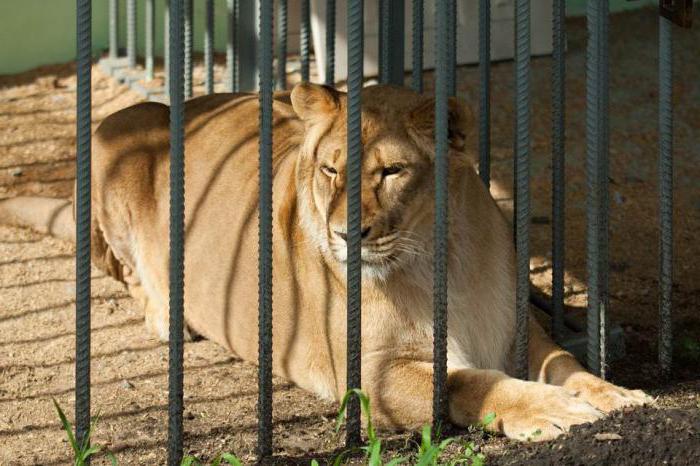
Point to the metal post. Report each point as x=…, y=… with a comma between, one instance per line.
x=82, y=230
x=131, y=33
x=305, y=39
x=177, y=228
x=282, y=44
x=391, y=41
x=209, y=47
x=522, y=181
x=354, y=187
x=113, y=29
x=150, y=34
x=596, y=166
x=558, y=161
x=330, y=43
x=247, y=45
x=265, y=235
x=665, y=193
x=452, y=49
x=485, y=91
x=188, y=38
x=232, y=45
x=417, y=62
x=442, y=78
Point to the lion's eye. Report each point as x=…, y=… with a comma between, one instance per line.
x=328, y=171
x=391, y=170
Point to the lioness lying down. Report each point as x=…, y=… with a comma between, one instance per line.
x=129, y=241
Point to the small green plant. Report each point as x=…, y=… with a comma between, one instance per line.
x=228, y=457
x=429, y=452
x=373, y=449
x=488, y=419
x=469, y=457
x=82, y=450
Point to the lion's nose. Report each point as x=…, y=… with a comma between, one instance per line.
x=364, y=233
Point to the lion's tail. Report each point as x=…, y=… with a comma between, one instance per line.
x=43, y=214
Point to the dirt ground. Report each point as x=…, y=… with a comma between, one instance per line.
x=129, y=370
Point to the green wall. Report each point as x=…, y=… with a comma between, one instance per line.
x=38, y=32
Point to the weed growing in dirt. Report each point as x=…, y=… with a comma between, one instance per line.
x=429, y=450
x=84, y=450
x=228, y=457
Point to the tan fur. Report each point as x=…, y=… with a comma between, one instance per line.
x=130, y=233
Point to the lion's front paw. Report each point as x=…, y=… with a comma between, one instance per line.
x=604, y=395
x=544, y=412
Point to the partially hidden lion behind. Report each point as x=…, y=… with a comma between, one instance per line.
x=130, y=222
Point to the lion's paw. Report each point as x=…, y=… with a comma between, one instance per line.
x=604, y=395
x=544, y=412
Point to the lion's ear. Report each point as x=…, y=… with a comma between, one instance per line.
x=313, y=101
x=460, y=121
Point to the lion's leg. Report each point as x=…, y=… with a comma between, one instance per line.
x=550, y=364
x=401, y=394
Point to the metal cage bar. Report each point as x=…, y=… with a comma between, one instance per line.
x=665, y=193
x=83, y=216
x=596, y=167
x=232, y=46
x=329, y=77
x=391, y=42
x=522, y=182
x=150, y=38
x=265, y=234
x=452, y=49
x=209, y=46
x=442, y=79
x=177, y=229
x=558, y=161
x=417, y=52
x=188, y=40
x=354, y=188
x=305, y=39
x=485, y=91
x=113, y=28
x=281, y=30
x=131, y=33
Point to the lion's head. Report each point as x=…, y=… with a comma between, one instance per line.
x=397, y=172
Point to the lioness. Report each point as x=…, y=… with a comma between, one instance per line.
x=130, y=230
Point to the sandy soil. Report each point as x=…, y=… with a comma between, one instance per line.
x=129, y=369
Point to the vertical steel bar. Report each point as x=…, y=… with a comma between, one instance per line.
x=558, y=165
x=188, y=38
x=522, y=181
x=417, y=62
x=247, y=30
x=305, y=39
x=82, y=236
x=166, y=47
x=113, y=28
x=232, y=46
x=596, y=166
x=442, y=79
x=452, y=49
x=330, y=43
x=485, y=91
x=354, y=183
x=665, y=193
x=265, y=234
x=209, y=46
x=131, y=33
x=281, y=30
x=391, y=42
x=177, y=228
x=150, y=37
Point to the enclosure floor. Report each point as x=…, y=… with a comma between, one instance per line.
x=129, y=369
